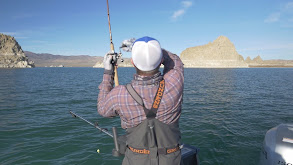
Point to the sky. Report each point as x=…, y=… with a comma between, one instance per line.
x=76, y=27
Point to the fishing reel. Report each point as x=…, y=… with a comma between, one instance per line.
x=116, y=56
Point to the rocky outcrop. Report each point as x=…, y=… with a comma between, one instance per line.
x=259, y=62
x=248, y=60
x=220, y=53
x=256, y=61
x=11, y=54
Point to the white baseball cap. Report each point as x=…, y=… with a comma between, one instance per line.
x=146, y=53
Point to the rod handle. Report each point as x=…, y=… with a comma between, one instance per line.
x=115, y=151
x=116, y=76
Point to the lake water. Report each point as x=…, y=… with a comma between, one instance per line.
x=226, y=113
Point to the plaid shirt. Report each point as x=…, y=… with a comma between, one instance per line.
x=117, y=101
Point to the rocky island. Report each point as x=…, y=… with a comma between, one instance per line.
x=11, y=54
x=220, y=53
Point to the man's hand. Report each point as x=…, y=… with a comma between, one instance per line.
x=108, y=65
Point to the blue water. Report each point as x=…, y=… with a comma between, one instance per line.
x=226, y=113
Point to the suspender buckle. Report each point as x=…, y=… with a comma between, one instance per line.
x=165, y=151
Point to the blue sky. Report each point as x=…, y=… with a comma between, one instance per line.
x=76, y=27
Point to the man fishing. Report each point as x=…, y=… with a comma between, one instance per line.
x=149, y=107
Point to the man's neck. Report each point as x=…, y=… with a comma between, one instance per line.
x=146, y=74
x=148, y=79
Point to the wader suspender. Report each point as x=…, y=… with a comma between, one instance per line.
x=150, y=113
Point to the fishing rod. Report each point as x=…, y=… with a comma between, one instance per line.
x=119, y=142
x=95, y=125
x=115, y=55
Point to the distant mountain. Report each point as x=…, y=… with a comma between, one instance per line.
x=259, y=62
x=47, y=60
x=11, y=54
x=50, y=60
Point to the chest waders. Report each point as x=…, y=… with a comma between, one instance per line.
x=152, y=142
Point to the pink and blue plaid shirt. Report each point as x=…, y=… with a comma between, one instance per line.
x=117, y=101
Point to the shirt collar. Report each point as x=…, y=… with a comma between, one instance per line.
x=147, y=80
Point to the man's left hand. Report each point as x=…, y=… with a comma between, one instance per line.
x=108, y=65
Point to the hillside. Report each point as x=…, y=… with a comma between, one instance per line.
x=47, y=60
x=50, y=60
x=11, y=54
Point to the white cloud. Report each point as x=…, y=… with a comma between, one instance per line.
x=283, y=15
x=178, y=13
x=186, y=4
x=182, y=11
x=289, y=6
x=274, y=17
